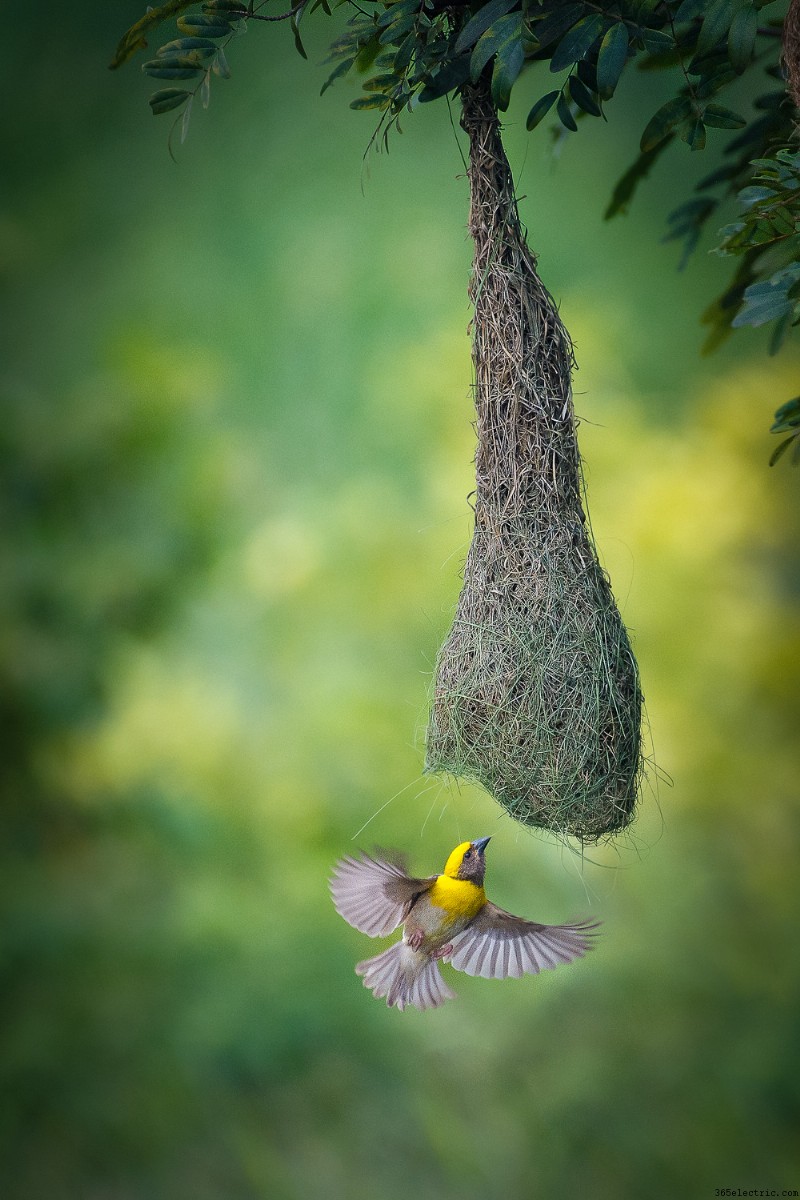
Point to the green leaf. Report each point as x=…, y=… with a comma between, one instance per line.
x=716, y=24
x=187, y=116
x=171, y=68
x=767, y=299
x=755, y=194
x=399, y=27
x=695, y=134
x=611, y=59
x=184, y=45
x=627, y=185
x=405, y=53
x=298, y=44
x=554, y=23
x=583, y=97
x=779, y=332
x=688, y=10
x=396, y=12
x=478, y=25
x=233, y=9
x=577, y=42
x=167, y=99
x=779, y=255
x=664, y=121
x=722, y=118
x=450, y=76
x=787, y=416
x=381, y=83
x=367, y=54
x=220, y=65
x=565, y=114
x=781, y=449
x=540, y=109
x=507, y=66
x=370, y=102
x=342, y=69
x=657, y=41
x=134, y=39
x=500, y=32
x=742, y=37
x=728, y=236
x=204, y=25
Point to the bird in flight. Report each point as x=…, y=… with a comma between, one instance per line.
x=445, y=917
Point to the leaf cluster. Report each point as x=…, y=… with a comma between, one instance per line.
x=193, y=57
x=408, y=52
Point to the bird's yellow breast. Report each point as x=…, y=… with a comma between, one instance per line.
x=461, y=899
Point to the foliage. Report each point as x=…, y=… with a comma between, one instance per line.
x=415, y=51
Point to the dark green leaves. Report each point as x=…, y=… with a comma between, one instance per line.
x=505, y=30
x=787, y=419
x=686, y=224
x=767, y=238
x=203, y=47
x=694, y=134
x=540, y=109
x=584, y=99
x=565, y=114
x=205, y=25
x=135, y=38
x=370, y=102
x=577, y=43
x=742, y=37
x=450, y=76
x=716, y=23
x=168, y=99
x=195, y=56
x=342, y=69
x=665, y=121
x=172, y=68
x=507, y=66
x=611, y=59
x=722, y=118
x=481, y=22
x=769, y=299
x=627, y=185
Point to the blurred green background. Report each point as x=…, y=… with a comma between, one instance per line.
x=236, y=458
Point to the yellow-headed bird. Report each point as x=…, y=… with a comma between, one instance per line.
x=446, y=916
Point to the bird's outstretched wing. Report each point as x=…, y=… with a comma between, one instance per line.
x=374, y=895
x=497, y=944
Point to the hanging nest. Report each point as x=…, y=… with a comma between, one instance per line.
x=536, y=692
x=791, y=51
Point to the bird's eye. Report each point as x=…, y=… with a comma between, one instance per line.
x=467, y=854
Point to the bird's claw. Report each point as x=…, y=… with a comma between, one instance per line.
x=416, y=939
x=443, y=951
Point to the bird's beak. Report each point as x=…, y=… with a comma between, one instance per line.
x=481, y=844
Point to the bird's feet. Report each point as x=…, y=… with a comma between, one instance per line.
x=443, y=951
x=415, y=939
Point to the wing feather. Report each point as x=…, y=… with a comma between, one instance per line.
x=374, y=895
x=497, y=944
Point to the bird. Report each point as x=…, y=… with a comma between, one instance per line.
x=445, y=917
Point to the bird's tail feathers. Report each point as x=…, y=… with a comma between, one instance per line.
x=405, y=977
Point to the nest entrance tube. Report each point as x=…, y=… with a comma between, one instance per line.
x=536, y=691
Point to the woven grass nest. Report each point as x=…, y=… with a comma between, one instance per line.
x=536, y=692
x=791, y=51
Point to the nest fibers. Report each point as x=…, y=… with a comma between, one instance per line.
x=536, y=692
x=791, y=51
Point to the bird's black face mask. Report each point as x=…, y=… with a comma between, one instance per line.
x=473, y=863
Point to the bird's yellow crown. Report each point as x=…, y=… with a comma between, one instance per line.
x=453, y=864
